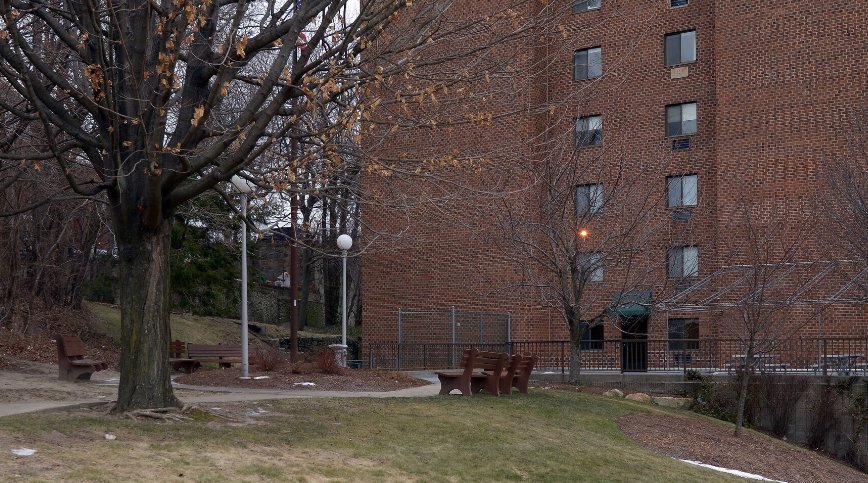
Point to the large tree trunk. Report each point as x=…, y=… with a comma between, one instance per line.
x=145, y=307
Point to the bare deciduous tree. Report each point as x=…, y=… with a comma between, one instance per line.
x=150, y=104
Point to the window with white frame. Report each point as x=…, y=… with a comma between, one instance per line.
x=681, y=119
x=589, y=199
x=680, y=48
x=589, y=131
x=580, y=6
x=683, y=262
x=588, y=63
x=591, y=265
x=681, y=191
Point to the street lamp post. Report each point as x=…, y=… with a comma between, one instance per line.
x=244, y=188
x=345, y=242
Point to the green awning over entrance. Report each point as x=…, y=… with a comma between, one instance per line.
x=631, y=304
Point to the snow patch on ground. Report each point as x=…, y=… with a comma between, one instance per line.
x=742, y=474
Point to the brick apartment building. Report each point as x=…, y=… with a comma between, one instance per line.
x=705, y=123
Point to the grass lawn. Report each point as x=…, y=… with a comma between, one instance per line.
x=106, y=319
x=546, y=436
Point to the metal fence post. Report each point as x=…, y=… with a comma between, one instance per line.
x=400, y=325
x=400, y=339
x=562, y=358
x=481, y=328
x=452, y=349
x=825, y=359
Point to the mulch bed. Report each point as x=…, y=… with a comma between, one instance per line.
x=41, y=348
x=40, y=345
x=713, y=443
x=283, y=378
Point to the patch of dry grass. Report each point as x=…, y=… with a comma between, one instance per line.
x=186, y=327
x=546, y=436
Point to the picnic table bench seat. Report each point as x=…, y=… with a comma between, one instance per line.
x=481, y=370
x=71, y=361
x=177, y=360
x=224, y=355
x=517, y=374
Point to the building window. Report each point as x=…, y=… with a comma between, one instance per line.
x=592, y=336
x=580, y=6
x=677, y=3
x=681, y=48
x=681, y=191
x=589, y=131
x=683, y=334
x=681, y=119
x=591, y=266
x=587, y=64
x=683, y=262
x=589, y=199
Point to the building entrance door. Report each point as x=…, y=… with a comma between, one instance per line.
x=634, y=343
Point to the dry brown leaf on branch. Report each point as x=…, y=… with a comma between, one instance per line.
x=240, y=45
x=198, y=112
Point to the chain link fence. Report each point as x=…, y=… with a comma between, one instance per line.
x=436, y=337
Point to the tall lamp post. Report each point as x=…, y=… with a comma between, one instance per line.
x=345, y=242
x=244, y=187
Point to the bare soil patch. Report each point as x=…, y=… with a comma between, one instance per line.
x=713, y=443
x=283, y=378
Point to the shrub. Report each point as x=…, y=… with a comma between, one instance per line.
x=324, y=359
x=779, y=395
x=824, y=415
x=268, y=358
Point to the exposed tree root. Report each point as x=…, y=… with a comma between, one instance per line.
x=160, y=414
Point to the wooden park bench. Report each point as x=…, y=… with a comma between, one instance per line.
x=517, y=374
x=222, y=355
x=481, y=370
x=177, y=359
x=72, y=365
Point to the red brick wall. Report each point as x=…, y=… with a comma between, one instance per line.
x=775, y=83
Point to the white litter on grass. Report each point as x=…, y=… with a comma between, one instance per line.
x=24, y=452
x=110, y=437
x=304, y=384
x=261, y=377
x=742, y=474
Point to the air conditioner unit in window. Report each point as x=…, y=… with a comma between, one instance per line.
x=677, y=3
x=680, y=144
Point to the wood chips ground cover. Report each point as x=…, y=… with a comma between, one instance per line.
x=713, y=443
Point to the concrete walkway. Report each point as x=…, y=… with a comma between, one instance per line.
x=237, y=394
